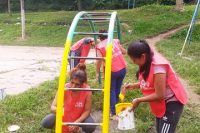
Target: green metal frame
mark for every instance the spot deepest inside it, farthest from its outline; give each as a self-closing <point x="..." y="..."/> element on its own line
<point x="114" y="22"/>
<point x="191" y="28"/>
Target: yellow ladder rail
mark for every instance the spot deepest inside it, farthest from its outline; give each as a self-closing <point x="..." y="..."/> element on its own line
<point x="108" y="63"/>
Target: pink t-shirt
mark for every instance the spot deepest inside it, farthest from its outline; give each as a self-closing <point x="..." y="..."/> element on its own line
<point x="85" y="48"/>
<point x="118" y="61"/>
<point x="169" y="94"/>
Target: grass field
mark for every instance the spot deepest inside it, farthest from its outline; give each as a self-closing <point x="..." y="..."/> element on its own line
<point x="28" y="109"/>
<point x="188" y="67"/>
<point x="50" y="28"/>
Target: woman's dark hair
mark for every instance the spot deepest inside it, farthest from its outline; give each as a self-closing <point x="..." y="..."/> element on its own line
<point x="79" y="73"/>
<point x="135" y="50"/>
<point x="103" y="37"/>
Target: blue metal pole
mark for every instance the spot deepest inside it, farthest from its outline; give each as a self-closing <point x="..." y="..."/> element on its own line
<point x="191" y="26"/>
<point x="193" y="21"/>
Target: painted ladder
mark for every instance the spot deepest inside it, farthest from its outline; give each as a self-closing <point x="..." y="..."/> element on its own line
<point x="114" y="26"/>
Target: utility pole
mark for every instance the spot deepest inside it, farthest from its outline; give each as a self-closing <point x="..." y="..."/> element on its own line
<point x="22" y="19"/>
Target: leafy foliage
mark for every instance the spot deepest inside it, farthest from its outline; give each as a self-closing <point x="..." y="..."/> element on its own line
<point x="38" y="5"/>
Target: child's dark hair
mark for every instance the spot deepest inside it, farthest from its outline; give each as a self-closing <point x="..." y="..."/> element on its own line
<point x="103" y="37"/>
<point x="135" y="50"/>
<point x="79" y="73"/>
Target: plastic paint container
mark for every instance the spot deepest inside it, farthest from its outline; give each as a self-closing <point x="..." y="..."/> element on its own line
<point x="126" y="119"/>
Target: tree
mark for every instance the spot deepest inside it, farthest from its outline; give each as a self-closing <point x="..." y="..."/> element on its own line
<point x="9" y="11"/>
<point x="79" y="4"/>
<point x="179" y="5"/>
<point x="22" y="18"/>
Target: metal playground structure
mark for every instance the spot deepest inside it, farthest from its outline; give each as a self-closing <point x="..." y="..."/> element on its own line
<point x="114" y="27"/>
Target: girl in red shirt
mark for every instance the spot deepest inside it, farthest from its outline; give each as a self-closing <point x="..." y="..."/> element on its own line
<point x="77" y="104"/>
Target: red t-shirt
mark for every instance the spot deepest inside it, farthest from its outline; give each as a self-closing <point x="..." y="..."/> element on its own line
<point x="74" y="107"/>
<point x="85" y="48"/>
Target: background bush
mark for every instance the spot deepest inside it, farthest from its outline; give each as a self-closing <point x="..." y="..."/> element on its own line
<point x="44" y="5"/>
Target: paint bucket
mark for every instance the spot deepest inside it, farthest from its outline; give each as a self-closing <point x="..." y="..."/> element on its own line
<point x="126" y="117"/>
<point x="122" y="106"/>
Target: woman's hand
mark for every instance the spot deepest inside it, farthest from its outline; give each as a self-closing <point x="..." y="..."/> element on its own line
<point x="125" y="87"/>
<point x="97" y="77"/>
<point x="135" y="103"/>
<point x="123" y="91"/>
<point x="74" y="129"/>
<point x="53" y="109"/>
<point x="130" y="86"/>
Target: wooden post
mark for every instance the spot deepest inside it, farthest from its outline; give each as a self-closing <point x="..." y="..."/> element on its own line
<point x="22" y="18"/>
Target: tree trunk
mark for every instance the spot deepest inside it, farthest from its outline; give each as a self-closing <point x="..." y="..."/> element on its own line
<point x="179" y="5"/>
<point x="9" y="11"/>
<point x="79" y="5"/>
<point x="22" y="18"/>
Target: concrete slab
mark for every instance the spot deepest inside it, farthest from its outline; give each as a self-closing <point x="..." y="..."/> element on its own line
<point x="22" y="67"/>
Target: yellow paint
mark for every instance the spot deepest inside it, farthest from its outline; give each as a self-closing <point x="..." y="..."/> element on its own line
<point x="60" y="94"/>
<point x="121" y="97"/>
<point x="106" y="103"/>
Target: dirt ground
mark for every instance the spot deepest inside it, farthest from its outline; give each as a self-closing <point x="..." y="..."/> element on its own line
<point x="24" y="67"/>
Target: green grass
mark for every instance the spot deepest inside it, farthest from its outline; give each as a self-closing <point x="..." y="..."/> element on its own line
<point x="50" y="28"/>
<point x="189" y="69"/>
<point x="28" y="109"/>
<point x="190" y="120"/>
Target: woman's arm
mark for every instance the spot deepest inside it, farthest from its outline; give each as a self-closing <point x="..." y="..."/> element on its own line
<point x="129" y="86"/>
<point x="87" y="110"/>
<point x="123" y="50"/>
<point x="98" y="65"/>
<point x="159" y="85"/>
<point x="54" y="104"/>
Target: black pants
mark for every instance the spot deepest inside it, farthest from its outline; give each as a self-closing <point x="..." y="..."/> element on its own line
<point x="168" y="123"/>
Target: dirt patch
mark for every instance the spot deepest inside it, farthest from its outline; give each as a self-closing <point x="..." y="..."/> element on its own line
<point x="22" y="68"/>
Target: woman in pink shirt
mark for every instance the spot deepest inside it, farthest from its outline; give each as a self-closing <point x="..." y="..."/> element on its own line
<point x="159" y="84"/>
<point x="77" y="104"/>
<point x="80" y="49"/>
<point x="118" y="68"/>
